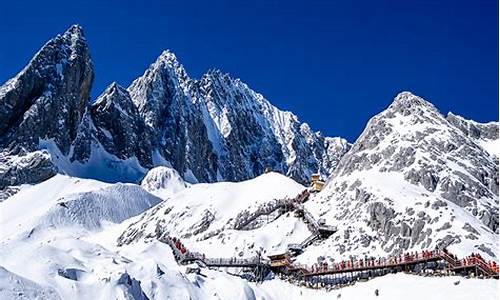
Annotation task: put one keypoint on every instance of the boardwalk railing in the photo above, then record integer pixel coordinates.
(371, 264)
(285, 265)
(394, 262)
(233, 262)
(311, 239)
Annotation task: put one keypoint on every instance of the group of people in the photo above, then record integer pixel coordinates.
(178, 244)
(374, 262)
(473, 259)
(476, 258)
(408, 257)
(493, 265)
(346, 264)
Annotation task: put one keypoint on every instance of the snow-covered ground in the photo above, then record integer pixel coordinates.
(52, 246)
(393, 286)
(205, 217)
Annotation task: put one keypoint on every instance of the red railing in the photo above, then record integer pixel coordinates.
(397, 261)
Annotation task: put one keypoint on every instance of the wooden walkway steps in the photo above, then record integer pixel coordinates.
(283, 264)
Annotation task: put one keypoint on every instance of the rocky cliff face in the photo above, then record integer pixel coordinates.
(119, 127)
(217, 128)
(45, 101)
(474, 130)
(413, 180)
(211, 129)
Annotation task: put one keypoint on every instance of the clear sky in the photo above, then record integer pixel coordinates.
(333, 63)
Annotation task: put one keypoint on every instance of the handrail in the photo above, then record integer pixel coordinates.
(408, 259)
(449, 259)
(309, 240)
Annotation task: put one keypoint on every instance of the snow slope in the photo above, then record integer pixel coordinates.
(205, 215)
(74, 255)
(413, 180)
(64, 201)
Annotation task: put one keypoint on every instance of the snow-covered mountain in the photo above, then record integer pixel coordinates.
(45, 101)
(413, 180)
(212, 129)
(223, 130)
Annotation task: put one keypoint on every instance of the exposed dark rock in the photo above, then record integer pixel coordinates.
(211, 129)
(47, 99)
(473, 129)
(31, 167)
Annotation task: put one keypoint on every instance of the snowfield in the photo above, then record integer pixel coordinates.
(64, 201)
(75, 255)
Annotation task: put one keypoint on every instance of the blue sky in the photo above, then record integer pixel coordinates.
(333, 63)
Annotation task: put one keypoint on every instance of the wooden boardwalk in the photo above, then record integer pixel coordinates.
(283, 263)
(392, 263)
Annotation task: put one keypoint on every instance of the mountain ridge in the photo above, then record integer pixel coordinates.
(169, 119)
(412, 181)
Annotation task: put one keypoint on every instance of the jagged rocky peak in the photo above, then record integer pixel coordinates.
(406, 102)
(168, 65)
(237, 110)
(115, 96)
(217, 128)
(211, 129)
(161, 85)
(413, 180)
(46, 100)
(418, 109)
(119, 126)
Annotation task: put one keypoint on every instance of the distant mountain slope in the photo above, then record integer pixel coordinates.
(411, 181)
(211, 129)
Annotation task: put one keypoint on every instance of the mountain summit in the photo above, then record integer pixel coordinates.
(413, 180)
(46, 100)
(212, 129)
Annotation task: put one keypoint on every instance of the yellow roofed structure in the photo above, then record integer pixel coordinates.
(316, 183)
